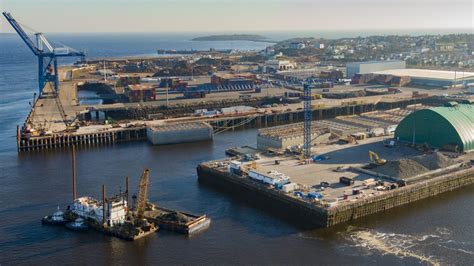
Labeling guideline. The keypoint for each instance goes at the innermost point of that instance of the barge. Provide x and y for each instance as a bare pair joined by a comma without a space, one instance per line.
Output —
114,215
180,222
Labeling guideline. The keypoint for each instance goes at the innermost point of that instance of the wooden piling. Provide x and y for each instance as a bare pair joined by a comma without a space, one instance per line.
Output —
103,204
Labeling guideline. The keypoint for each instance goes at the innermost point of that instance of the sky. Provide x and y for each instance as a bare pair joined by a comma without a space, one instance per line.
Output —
234,16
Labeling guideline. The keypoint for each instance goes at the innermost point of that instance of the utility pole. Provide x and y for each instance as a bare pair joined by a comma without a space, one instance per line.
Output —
105,72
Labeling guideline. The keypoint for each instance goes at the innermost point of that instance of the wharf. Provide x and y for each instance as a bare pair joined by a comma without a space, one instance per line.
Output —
57,122
336,204
135,130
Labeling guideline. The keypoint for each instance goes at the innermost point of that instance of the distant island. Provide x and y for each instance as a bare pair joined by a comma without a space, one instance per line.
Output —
233,37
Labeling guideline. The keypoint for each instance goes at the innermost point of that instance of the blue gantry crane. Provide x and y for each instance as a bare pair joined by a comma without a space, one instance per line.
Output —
308,117
47,55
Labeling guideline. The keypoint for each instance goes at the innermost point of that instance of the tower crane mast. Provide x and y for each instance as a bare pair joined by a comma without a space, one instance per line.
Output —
307,121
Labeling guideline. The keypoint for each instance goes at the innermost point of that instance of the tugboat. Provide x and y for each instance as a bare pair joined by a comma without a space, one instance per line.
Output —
78,225
56,219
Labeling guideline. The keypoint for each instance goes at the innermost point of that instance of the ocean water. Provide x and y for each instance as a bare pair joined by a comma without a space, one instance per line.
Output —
437,231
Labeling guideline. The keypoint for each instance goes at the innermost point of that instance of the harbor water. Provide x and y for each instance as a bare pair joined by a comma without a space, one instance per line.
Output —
430,232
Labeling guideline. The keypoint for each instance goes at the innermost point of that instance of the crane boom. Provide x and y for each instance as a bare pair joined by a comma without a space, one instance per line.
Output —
142,198
374,157
46,72
16,26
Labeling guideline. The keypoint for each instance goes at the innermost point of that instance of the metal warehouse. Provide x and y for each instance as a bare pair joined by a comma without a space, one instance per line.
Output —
447,127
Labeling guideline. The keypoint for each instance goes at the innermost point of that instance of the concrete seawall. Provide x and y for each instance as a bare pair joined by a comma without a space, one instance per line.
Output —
347,211
401,196
179,133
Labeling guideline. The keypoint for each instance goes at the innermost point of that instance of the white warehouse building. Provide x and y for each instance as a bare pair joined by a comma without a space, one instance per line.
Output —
372,66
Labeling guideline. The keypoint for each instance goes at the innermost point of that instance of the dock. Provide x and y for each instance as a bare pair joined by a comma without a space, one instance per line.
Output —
357,167
59,119
336,205
86,131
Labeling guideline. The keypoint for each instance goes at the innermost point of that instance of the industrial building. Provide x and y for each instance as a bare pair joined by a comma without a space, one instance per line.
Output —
229,79
372,66
423,77
373,123
446,127
140,93
277,65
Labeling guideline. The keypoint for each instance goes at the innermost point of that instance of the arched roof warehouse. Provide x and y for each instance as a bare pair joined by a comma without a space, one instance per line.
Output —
440,126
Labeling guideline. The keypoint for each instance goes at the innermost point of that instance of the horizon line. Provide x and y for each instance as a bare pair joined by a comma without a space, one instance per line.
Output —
467,30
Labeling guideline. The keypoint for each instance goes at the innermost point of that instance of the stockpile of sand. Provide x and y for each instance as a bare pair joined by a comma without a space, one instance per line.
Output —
412,166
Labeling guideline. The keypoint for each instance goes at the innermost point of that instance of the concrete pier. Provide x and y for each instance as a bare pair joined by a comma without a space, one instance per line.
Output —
106,134
325,215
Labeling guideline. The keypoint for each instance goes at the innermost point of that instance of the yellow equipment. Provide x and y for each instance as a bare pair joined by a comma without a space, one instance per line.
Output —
142,198
374,157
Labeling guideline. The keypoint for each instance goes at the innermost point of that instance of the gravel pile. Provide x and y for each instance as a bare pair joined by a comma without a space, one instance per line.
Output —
402,168
412,166
175,217
434,161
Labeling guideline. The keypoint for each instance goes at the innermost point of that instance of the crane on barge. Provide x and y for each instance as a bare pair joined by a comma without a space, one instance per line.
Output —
46,53
142,198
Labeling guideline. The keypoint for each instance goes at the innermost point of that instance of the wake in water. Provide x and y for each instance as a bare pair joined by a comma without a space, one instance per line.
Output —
399,245
408,246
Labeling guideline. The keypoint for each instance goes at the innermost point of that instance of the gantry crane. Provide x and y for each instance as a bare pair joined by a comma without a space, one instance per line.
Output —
47,55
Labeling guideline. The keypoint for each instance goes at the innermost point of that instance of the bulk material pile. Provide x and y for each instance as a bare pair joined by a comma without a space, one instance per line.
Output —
412,166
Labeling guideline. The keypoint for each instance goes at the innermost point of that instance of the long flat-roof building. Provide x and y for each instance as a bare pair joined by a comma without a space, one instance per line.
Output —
429,78
372,66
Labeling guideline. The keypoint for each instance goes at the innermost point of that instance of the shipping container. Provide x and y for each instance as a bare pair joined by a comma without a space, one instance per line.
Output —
346,180
290,187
